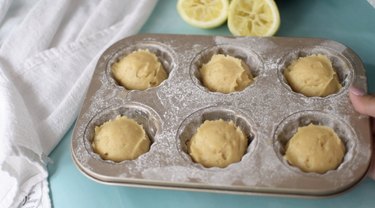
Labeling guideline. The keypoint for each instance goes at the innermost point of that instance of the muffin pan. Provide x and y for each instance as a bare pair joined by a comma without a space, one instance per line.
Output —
268,112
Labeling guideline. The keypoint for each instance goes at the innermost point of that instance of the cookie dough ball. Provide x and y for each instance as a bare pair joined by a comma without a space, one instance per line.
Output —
217,144
139,70
312,76
120,139
225,74
315,148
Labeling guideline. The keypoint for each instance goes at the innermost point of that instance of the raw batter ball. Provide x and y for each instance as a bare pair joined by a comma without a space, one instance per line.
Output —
315,148
217,143
312,76
139,70
225,74
120,139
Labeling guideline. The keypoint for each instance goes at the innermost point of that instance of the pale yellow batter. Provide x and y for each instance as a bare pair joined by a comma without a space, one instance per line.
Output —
315,148
139,70
312,76
225,74
120,139
217,143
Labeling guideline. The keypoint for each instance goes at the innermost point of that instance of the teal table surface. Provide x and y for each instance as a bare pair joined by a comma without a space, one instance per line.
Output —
347,21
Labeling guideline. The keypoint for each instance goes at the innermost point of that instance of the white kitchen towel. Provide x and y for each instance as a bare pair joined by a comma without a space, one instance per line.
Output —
48,51
372,2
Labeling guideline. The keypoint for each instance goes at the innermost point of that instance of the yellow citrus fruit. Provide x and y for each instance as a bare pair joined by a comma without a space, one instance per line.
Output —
203,13
253,17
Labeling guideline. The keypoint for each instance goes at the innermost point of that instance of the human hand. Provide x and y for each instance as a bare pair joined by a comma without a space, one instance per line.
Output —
365,104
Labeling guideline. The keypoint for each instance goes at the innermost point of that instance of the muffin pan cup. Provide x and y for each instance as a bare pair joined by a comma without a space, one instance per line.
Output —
268,111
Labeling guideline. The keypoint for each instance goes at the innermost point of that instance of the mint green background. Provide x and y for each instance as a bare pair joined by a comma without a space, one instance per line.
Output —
351,22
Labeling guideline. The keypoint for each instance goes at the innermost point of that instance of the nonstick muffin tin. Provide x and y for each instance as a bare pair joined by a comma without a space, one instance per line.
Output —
268,112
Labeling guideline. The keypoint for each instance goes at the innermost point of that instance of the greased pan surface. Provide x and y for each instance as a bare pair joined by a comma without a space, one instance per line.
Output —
268,111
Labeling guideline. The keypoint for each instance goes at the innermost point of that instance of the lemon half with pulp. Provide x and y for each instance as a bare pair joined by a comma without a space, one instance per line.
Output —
203,13
253,17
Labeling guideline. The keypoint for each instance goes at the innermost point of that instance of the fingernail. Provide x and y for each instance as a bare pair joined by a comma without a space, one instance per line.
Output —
356,91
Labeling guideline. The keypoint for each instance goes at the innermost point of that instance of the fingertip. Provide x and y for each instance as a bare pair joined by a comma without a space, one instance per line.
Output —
363,104
356,91
371,171
355,98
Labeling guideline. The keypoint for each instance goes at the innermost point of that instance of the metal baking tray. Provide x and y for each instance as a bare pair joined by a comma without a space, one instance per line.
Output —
268,111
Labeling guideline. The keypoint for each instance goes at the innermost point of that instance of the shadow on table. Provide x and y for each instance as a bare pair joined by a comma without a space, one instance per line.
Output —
57,154
370,73
288,12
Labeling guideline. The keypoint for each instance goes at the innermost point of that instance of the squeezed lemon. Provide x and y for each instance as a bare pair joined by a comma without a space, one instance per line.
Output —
253,17
203,13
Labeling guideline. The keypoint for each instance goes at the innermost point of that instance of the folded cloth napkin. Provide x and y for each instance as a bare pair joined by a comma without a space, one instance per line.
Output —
48,52
372,2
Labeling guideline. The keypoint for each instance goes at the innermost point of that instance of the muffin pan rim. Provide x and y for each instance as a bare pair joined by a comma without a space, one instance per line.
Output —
250,133
104,112
193,69
122,52
286,61
349,145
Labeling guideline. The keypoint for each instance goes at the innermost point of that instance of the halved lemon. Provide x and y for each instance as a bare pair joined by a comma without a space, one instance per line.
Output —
253,18
203,13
